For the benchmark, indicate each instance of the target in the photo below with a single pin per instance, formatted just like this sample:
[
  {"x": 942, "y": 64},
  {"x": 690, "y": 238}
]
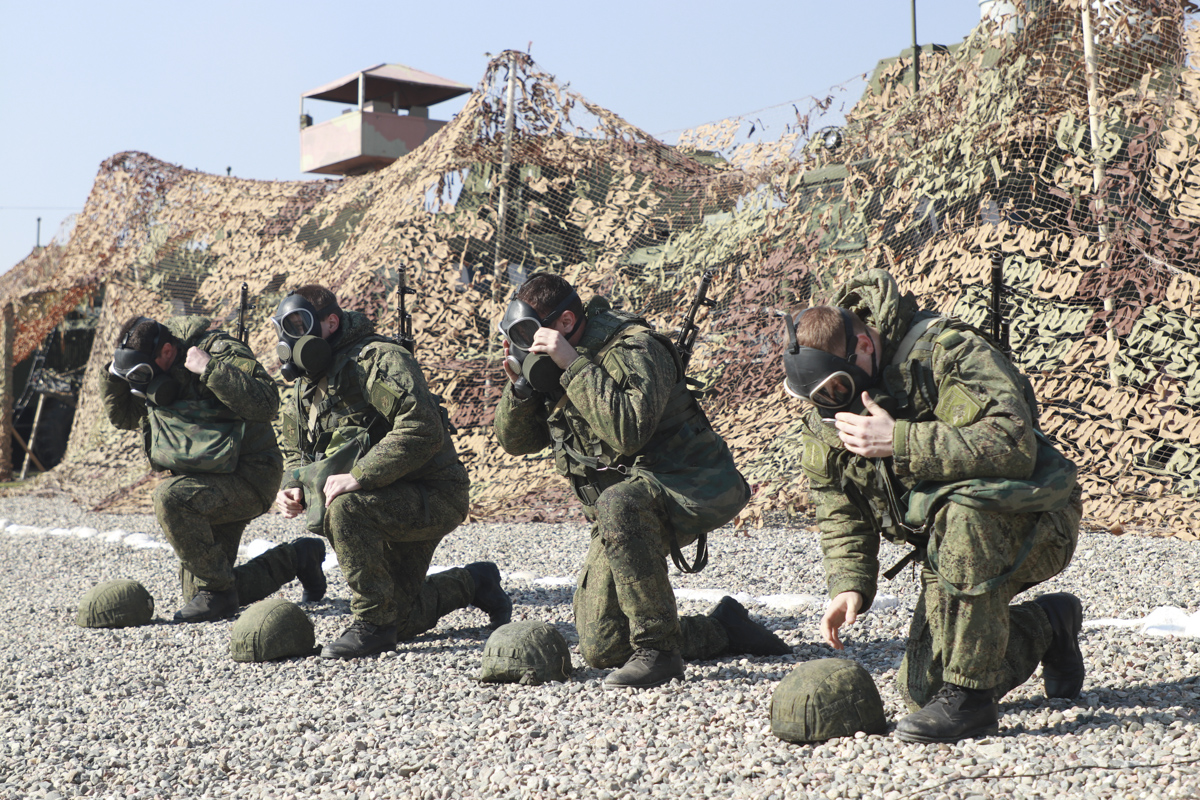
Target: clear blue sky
[{"x": 217, "y": 84}]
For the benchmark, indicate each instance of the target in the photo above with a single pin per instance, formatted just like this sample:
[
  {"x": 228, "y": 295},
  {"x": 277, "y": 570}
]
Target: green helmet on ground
[
  {"x": 115, "y": 604},
  {"x": 272, "y": 629},
  {"x": 825, "y": 699},
  {"x": 530, "y": 652}
]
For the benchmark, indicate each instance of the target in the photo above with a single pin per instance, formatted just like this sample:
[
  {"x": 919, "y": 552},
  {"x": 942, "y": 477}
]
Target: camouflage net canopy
[{"x": 1084, "y": 186}]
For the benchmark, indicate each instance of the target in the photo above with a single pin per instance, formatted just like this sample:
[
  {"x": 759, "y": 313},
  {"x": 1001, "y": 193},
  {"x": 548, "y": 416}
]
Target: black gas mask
[
  {"x": 519, "y": 325},
  {"x": 145, "y": 377},
  {"x": 301, "y": 348},
  {"x": 831, "y": 383}
]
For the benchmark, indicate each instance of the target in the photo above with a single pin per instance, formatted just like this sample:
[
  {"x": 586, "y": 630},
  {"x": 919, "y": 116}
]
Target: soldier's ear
[{"x": 333, "y": 322}]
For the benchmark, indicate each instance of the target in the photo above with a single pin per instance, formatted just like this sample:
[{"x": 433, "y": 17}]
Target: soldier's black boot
[
  {"x": 206, "y": 605},
  {"x": 1062, "y": 664},
  {"x": 955, "y": 713},
  {"x": 490, "y": 597},
  {"x": 746, "y": 635},
  {"x": 310, "y": 555},
  {"x": 361, "y": 639},
  {"x": 646, "y": 668}
]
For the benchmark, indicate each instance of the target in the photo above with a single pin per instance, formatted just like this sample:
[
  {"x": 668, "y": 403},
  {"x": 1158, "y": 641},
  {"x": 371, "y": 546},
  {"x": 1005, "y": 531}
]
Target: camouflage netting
[{"x": 1092, "y": 210}]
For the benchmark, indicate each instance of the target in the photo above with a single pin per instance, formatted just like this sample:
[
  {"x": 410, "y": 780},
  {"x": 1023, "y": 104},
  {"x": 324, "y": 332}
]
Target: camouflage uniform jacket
[
  {"x": 233, "y": 379},
  {"x": 627, "y": 412},
  {"x": 962, "y": 412},
  {"x": 373, "y": 384}
]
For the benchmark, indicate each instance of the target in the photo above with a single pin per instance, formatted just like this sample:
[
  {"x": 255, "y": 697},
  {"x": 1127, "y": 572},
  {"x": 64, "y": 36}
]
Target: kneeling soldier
[
  {"x": 652, "y": 474},
  {"x": 372, "y": 467},
  {"x": 204, "y": 406}
]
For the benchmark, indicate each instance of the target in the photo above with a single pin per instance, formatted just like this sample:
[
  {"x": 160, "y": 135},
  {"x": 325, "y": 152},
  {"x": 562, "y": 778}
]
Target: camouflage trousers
[
  {"x": 385, "y": 538},
  {"x": 982, "y": 642},
  {"x": 624, "y": 600},
  {"x": 203, "y": 517}
]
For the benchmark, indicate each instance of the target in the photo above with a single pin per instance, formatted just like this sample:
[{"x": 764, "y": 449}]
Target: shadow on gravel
[
  {"x": 539, "y": 596},
  {"x": 1101, "y": 707}
]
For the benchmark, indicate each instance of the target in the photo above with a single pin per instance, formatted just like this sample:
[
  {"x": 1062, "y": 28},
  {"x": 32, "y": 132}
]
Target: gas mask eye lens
[
  {"x": 142, "y": 373},
  {"x": 522, "y": 331},
  {"x": 835, "y": 391},
  {"x": 296, "y": 323}
]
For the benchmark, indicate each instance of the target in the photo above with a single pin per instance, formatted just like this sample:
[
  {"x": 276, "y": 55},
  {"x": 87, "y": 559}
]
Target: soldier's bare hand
[
  {"x": 869, "y": 436},
  {"x": 290, "y": 502},
  {"x": 196, "y": 360},
  {"x": 842, "y": 610},
  {"x": 553, "y": 344},
  {"x": 510, "y": 368},
  {"x": 339, "y": 484}
]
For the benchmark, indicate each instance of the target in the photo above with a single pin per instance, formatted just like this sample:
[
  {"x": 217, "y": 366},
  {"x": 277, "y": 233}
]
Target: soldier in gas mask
[
  {"x": 608, "y": 394},
  {"x": 204, "y": 406},
  {"x": 372, "y": 467},
  {"x": 922, "y": 431}
]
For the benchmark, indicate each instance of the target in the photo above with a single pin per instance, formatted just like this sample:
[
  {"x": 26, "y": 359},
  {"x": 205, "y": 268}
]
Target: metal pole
[
  {"x": 39, "y": 232},
  {"x": 37, "y": 416},
  {"x": 916, "y": 51},
  {"x": 1089, "y": 59},
  {"x": 6, "y": 391},
  {"x": 362, "y": 90},
  {"x": 506, "y": 162}
]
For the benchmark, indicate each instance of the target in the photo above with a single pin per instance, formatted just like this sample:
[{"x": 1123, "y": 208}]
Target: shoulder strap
[{"x": 922, "y": 322}]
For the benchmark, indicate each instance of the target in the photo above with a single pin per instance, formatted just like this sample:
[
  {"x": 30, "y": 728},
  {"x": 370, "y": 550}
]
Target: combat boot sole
[
  {"x": 1063, "y": 668},
  {"x": 746, "y": 635},
  {"x": 310, "y": 571}
]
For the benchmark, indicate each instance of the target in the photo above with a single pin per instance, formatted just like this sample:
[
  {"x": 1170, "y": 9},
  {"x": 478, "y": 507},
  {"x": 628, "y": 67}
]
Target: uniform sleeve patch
[
  {"x": 246, "y": 365},
  {"x": 816, "y": 459},
  {"x": 957, "y": 406}
]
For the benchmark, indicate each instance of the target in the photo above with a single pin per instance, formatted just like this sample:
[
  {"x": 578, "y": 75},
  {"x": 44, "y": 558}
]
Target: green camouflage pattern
[
  {"x": 529, "y": 652},
  {"x": 203, "y": 515},
  {"x": 384, "y": 380},
  {"x": 271, "y": 629},
  {"x": 826, "y": 699},
  {"x": 986, "y": 429},
  {"x": 628, "y": 404},
  {"x": 115, "y": 604},
  {"x": 414, "y": 491},
  {"x": 982, "y": 642},
  {"x": 623, "y": 599},
  {"x": 195, "y": 436},
  {"x": 233, "y": 379}
]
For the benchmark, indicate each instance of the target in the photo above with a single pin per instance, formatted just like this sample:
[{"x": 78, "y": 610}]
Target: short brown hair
[
  {"x": 822, "y": 328},
  {"x": 320, "y": 297},
  {"x": 544, "y": 291},
  {"x": 142, "y": 332}
]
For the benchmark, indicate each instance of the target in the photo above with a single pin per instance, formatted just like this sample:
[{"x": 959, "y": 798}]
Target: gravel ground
[{"x": 162, "y": 710}]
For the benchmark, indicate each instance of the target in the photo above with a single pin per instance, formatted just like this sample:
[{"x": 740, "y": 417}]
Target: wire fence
[{"x": 1078, "y": 182}]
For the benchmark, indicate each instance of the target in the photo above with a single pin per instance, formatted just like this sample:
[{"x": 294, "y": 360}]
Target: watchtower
[{"x": 373, "y": 133}]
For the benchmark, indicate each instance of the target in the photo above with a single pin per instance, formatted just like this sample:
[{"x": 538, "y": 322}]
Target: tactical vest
[
  {"x": 336, "y": 401},
  {"x": 592, "y": 465},
  {"x": 339, "y": 401},
  {"x": 580, "y": 454}
]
